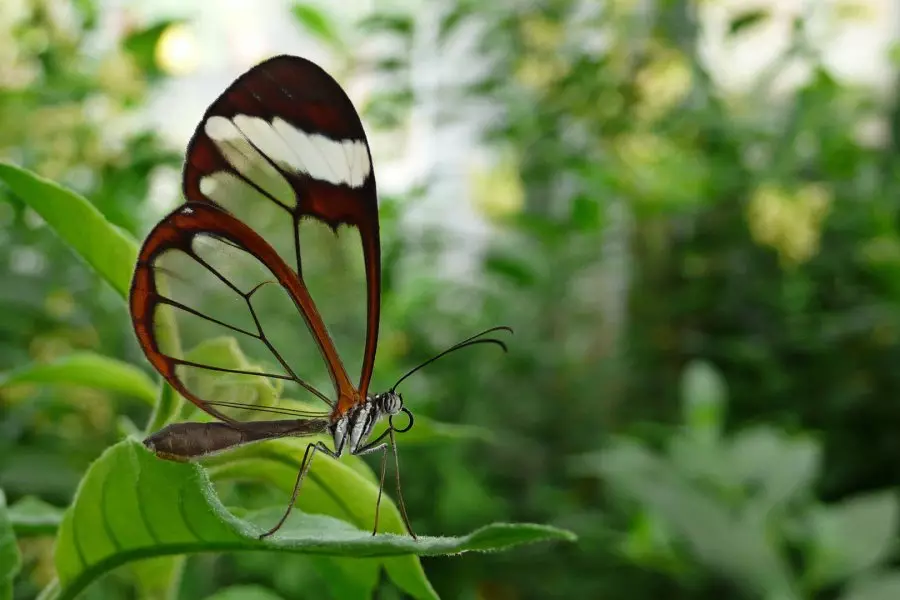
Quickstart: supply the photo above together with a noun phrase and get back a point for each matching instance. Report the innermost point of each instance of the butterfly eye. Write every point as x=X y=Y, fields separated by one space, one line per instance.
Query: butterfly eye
x=391 y=403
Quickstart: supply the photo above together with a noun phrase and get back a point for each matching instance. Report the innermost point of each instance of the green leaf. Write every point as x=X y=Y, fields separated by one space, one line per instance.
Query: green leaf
x=879 y=586
x=345 y=489
x=585 y=213
x=88 y=369
x=105 y=247
x=514 y=269
x=131 y=505
x=395 y=23
x=781 y=468
x=349 y=577
x=735 y=543
x=853 y=536
x=703 y=395
x=245 y=592
x=747 y=20
x=10 y=560
x=451 y=20
x=314 y=21
x=33 y=516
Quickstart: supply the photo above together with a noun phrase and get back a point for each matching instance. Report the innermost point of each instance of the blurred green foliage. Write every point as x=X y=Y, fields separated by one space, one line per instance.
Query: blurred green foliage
x=703 y=284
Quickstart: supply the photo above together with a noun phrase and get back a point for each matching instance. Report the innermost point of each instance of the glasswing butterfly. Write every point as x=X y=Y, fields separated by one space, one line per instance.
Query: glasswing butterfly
x=281 y=148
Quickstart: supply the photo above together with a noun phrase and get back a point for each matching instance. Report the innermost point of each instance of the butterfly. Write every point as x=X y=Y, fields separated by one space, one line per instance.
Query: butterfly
x=280 y=148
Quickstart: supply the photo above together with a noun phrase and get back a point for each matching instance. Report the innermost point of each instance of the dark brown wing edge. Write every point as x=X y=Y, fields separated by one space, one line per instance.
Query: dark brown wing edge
x=176 y=231
x=302 y=93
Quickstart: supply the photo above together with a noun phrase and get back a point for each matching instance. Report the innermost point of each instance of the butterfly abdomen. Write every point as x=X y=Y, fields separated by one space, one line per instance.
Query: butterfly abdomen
x=190 y=441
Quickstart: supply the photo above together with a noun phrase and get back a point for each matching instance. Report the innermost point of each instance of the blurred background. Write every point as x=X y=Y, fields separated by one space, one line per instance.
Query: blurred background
x=688 y=211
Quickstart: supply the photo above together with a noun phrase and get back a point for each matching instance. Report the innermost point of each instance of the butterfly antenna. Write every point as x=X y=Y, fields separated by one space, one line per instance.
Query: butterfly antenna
x=471 y=341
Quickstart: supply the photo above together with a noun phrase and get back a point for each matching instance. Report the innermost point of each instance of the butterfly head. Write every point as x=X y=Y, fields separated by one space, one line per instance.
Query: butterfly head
x=390 y=403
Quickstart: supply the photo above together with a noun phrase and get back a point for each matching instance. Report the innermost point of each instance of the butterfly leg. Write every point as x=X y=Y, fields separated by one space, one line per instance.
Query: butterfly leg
x=308 y=456
x=399 y=492
x=375 y=447
x=370 y=450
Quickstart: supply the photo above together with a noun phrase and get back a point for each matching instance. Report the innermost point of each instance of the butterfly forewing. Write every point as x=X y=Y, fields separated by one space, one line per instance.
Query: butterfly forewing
x=283 y=152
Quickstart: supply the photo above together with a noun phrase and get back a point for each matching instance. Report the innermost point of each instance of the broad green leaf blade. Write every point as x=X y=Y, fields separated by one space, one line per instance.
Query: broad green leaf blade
x=33 y=516
x=10 y=561
x=108 y=249
x=325 y=535
x=131 y=505
x=88 y=369
x=345 y=489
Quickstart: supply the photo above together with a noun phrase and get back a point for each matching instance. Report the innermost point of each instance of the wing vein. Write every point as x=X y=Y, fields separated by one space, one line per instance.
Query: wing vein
x=277 y=410
x=179 y=305
x=274 y=351
x=190 y=363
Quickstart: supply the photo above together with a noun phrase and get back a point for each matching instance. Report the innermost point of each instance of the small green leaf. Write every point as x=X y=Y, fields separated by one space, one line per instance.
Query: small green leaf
x=33 y=516
x=105 y=247
x=747 y=20
x=779 y=467
x=10 y=560
x=131 y=505
x=853 y=536
x=703 y=397
x=395 y=23
x=88 y=369
x=314 y=21
x=514 y=269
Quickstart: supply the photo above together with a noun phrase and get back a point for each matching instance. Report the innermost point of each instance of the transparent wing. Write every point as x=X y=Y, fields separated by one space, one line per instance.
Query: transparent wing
x=226 y=321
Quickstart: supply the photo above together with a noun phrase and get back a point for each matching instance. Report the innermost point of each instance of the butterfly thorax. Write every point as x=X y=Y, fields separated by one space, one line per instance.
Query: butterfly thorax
x=351 y=431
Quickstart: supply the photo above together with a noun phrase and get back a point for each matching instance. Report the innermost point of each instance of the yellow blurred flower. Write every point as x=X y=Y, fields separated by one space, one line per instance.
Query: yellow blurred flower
x=120 y=77
x=663 y=82
x=59 y=304
x=540 y=65
x=541 y=33
x=497 y=192
x=658 y=173
x=177 y=51
x=789 y=221
x=854 y=10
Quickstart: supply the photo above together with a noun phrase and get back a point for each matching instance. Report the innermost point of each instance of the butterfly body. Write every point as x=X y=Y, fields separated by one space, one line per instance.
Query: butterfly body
x=192 y=441
x=351 y=432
